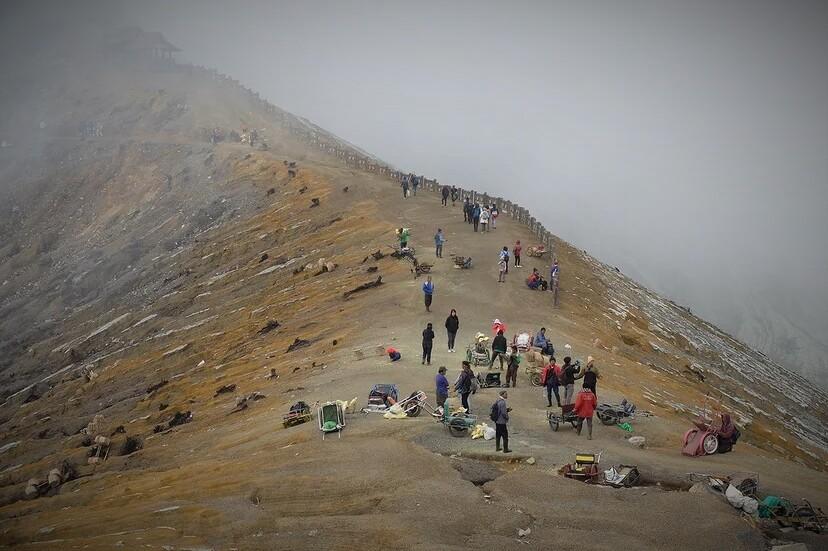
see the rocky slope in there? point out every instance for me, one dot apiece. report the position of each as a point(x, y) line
point(176, 296)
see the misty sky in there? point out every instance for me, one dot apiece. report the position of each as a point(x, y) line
point(685, 142)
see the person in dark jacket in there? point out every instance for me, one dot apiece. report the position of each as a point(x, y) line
point(502, 423)
point(453, 195)
point(452, 325)
point(590, 375)
point(445, 194)
point(464, 384)
point(467, 210)
point(476, 215)
point(442, 385)
point(498, 349)
point(428, 342)
point(568, 376)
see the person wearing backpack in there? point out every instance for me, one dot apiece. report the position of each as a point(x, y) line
point(500, 415)
point(549, 379)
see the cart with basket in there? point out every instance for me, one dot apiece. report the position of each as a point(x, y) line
point(458, 423)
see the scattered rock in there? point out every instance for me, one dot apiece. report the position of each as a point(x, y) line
point(372, 269)
point(264, 257)
point(531, 461)
point(130, 445)
point(180, 418)
point(273, 374)
point(303, 189)
point(156, 386)
point(345, 189)
point(363, 287)
point(176, 350)
point(225, 389)
point(298, 343)
point(314, 202)
point(523, 533)
point(271, 191)
point(269, 326)
point(637, 441)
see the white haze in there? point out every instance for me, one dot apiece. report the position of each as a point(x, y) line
point(685, 142)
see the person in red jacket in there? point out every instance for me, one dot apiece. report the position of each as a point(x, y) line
point(585, 408)
point(549, 378)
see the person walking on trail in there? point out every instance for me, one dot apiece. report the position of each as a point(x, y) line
point(498, 349)
point(540, 341)
point(568, 376)
point(452, 326)
point(516, 251)
point(485, 216)
point(442, 385)
point(428, 293)
point(500, 416)
point(445, 193)
point(504, 255)
point(512, 368)
point(591, 376)
point(415, 181)
point(476, 216)
point(439, 239)
point(404, 186)
point(403, 234)
point(501, 264)
point(554, 278)
point(453, 195)
point(549, 379)
point(466, 210)
point(428, 342)
point(463, 386)
point(584, 409)
point(495, 212)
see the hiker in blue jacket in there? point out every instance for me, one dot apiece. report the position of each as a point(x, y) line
point(476, 215)
point(428, 293)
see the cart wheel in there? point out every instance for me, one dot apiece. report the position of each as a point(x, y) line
point(535, 379)
point(553, 423)
point(457, 427)
point(414, 410)
point(608, 419)
point(710, 444)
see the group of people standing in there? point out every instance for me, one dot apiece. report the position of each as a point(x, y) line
point(449, 191)
point(480, 216)
point(452, 327)
point(409, 184)
point(555, 376)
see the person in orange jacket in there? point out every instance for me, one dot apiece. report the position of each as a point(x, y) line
point(584, 408)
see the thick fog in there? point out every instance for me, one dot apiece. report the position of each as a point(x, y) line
point(684, 142)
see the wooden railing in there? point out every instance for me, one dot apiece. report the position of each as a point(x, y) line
point(318, 138)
